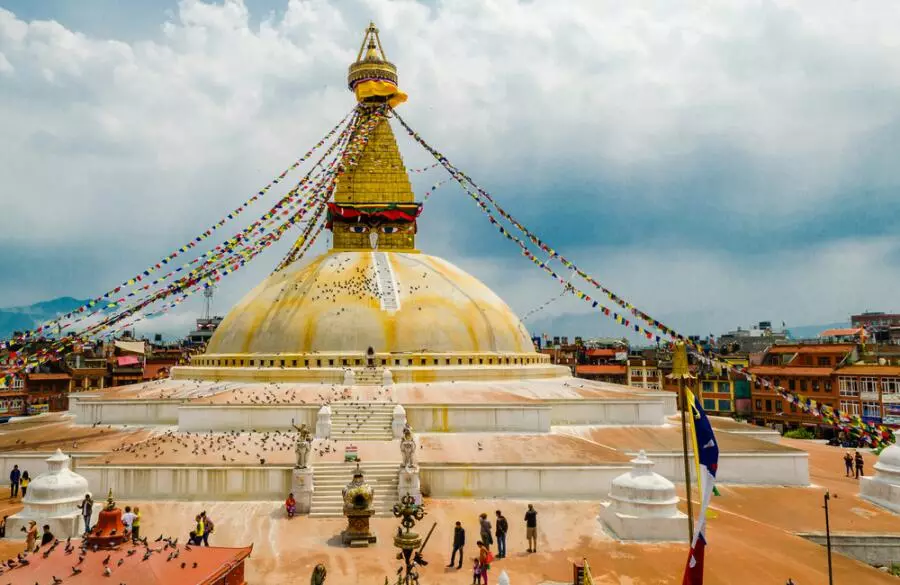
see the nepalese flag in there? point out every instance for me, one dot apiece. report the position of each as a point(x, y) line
point(708, 456)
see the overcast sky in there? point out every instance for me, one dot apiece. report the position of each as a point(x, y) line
point(718, 163)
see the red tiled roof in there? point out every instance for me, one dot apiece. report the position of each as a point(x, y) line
point(600, 369)
point(789, 371)
point(602, 352)
point(212, 563)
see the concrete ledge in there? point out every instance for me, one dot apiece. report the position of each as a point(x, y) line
point(451, 418)
point(872, 549)
point(117, 412)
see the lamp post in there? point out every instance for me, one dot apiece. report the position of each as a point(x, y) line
point(828, 538)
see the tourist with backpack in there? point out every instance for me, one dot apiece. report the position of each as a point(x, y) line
point(502, 528)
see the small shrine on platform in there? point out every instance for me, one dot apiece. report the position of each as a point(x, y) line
point(109, 530)
point(644, 506)
point(52, 499)
point(358, 499)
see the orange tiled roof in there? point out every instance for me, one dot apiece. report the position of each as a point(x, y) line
point(817, 349)
point(842, 332)
point(789, 371)
point(600, 369)
point(195, 566)
point(37, 376)
point(869, 370)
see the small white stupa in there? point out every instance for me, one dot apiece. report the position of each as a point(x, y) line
point(644, 506)
point(53, 498)
point(884, 488)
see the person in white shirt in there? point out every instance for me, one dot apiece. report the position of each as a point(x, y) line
point(128, 519)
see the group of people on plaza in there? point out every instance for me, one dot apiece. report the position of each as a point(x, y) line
point(853, 461)
point(18, 480)
point(204, 526)
point(31, 535)
point(482, 563)
point(131, 519)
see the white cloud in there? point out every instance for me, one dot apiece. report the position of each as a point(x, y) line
point(137, 146)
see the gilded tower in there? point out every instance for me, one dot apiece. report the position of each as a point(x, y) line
point(374, 206)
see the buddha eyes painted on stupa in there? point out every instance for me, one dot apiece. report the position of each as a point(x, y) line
point(359, 229)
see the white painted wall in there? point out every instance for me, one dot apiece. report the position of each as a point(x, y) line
point(741, 468)
point(115, 412)
point(472, 417)
point(549, 482)
point(607, 412)
point(235, 418)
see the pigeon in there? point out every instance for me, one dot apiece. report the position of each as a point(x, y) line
point(195, 565)
point(121, 561)
point(56, 580)
point(75, 570)
point(131, 552)
point(107, 571)
point(106, 560)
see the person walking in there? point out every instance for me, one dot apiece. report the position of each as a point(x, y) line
point(859, 464)
point(136, 525)
point(208, 527)
point(483, 562)
point(531, 528)
point(502, 528)
point(485, 528)
point(848, 463)
point(87, 507)
point(23, 483)
point(290, 505)
point(14, 476)
point(459, 541)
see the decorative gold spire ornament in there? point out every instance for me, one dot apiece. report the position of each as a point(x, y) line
point(374, 206)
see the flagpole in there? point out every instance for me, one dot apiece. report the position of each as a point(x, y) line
point(681, 372)
point(687, 466)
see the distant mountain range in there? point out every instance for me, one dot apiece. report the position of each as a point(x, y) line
point(22, 318)
point(812, 331)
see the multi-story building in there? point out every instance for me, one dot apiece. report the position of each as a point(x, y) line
point(87, 372)
point(606, 364)
point(806, 369)
point(871, 391)
point(46, 391)
point(883, 327)
point(644, 373)
point(751, 340)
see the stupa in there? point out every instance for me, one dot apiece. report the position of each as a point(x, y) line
point(884, 488)
point(368, 338)
point(53, 498)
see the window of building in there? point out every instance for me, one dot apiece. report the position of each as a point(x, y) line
point(724, 406)
point(778, 406)
point(869, 384)
point(871, 409)
point(724, 387)
point(802, 385)
point(848, 386)
point(758, 404)
point(815, 385)
point(709, 404)
point(827, 385)
point(707, 386)
point(824, 361)
point(793, 407)
point(890, 385)
point(850, 407)
point(768, 406)
point(792, 384)
point(777, 382)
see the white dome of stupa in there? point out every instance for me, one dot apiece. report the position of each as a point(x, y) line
point(889, 461)
point(59, 486)
point(644, 488)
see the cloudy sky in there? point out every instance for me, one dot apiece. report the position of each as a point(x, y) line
point(718, 163)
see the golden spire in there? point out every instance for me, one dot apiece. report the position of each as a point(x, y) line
point(374, 205)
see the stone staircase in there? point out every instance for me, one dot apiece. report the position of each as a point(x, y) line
point(368, 376)
point(330, 478)
point(362, 421)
